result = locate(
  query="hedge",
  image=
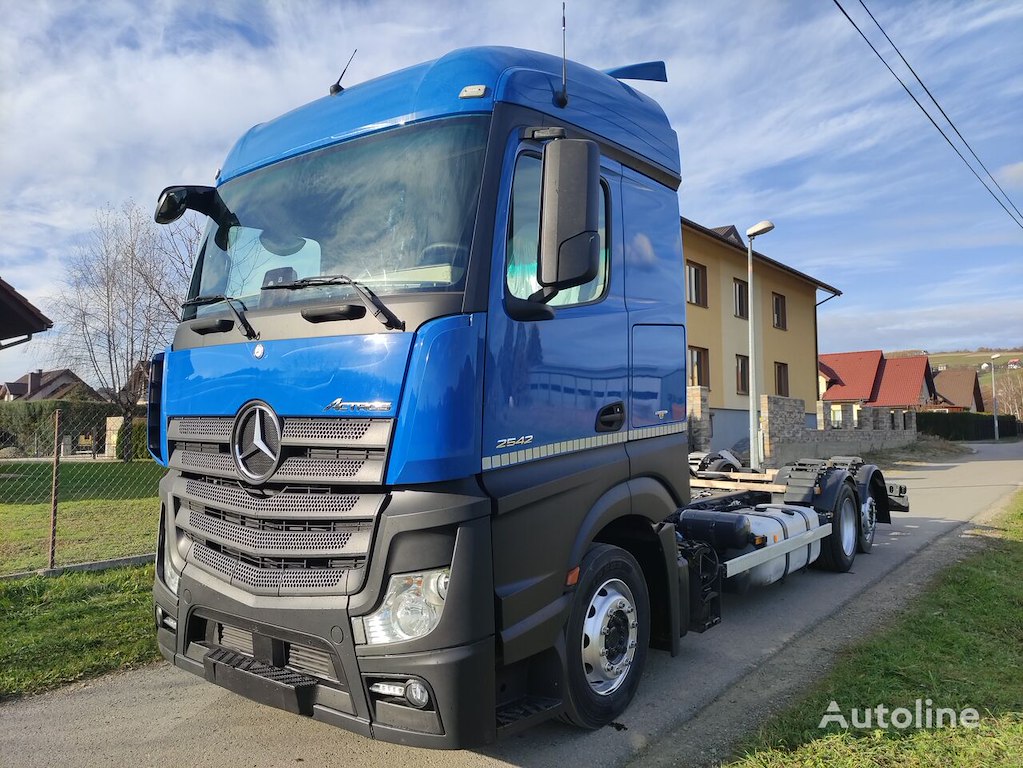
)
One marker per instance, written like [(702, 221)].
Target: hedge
[(28, 425), (965, 425)]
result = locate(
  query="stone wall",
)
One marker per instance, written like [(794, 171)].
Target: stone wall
[(786, 437), (699, 419)]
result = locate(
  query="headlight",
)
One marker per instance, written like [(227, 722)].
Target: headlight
[(412, 607), (164, 566), (170, 575)]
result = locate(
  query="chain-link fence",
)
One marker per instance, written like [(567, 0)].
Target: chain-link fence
[(76, 486)]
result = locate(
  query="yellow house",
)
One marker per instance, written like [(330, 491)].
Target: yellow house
[(717, 322)]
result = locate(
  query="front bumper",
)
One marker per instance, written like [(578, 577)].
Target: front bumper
[(299, 652), (461, 712)]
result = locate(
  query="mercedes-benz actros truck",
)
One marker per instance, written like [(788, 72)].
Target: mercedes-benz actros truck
[(424, 416)]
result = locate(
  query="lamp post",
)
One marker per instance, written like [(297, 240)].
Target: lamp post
[(994, 396), (754, 446)]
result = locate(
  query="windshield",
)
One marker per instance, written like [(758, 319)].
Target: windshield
[(394, 211)]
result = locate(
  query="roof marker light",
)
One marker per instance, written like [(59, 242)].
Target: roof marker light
[(473, 92)]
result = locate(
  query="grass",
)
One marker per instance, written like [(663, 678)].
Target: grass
[(30, 482), (972, 359), (961, 646), (61, 629), (926, 448), (106, 510)]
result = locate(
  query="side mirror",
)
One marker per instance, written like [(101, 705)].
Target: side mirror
[(175, 200), (569, 215), (171, 205)]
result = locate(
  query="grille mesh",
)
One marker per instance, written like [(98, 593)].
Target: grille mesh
[(342, 430), (268, 579), (204, 427), (213, 463), (322, 468), (311, 661), (320, 542), (278, 504), (298, 535)]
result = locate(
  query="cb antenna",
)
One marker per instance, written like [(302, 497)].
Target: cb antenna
[(336, 88), (562, 98)]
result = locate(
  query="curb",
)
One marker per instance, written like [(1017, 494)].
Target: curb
[(98, 565)]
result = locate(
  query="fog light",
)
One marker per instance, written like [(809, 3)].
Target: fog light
[(416, 694), (388, 689)]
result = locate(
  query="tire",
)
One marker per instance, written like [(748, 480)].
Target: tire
[(722, 465), (868, 523), (606, 637), (839, 550)]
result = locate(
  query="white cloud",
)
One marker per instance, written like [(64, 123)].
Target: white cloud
[(781, 111), (1011, 175)]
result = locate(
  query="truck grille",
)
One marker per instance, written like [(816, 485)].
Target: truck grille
[(307, 530), (326, 450), (300, 658)]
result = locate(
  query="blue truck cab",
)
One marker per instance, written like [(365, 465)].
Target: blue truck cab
[(424, 415)]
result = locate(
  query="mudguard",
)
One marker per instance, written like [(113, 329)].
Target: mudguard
[(806, 476)]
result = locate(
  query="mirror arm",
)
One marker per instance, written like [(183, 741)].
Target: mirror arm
[(544, 295), (527, 309)]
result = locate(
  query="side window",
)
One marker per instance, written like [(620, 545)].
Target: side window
[(524, 238)]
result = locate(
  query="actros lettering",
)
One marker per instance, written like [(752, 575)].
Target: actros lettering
[(375, 406)]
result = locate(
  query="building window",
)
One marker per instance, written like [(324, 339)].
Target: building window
[(699, 367), (696, 283), (740, 291), (781, 379), (780, 319), (742, 374)]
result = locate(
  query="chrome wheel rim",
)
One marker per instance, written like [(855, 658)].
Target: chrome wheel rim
[(847, 522), (868, 519), (609, 637)]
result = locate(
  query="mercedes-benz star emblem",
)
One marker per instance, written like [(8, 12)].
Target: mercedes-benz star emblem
[(256, 442)]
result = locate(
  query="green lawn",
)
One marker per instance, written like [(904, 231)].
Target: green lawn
[(961, 646), (30, 482), (106, 510), (60, 629)]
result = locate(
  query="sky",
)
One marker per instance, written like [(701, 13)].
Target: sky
[(782, 111)]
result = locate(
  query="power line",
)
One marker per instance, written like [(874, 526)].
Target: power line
[(943, 113), (928, 115)]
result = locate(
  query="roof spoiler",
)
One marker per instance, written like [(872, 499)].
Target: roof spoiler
[(648, 70)]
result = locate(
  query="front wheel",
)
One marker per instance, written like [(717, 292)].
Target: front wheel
[(606, 638), (839, 549)]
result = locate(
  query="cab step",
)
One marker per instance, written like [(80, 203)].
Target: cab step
[(525, 712)]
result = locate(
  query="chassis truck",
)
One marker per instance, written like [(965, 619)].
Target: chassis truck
[(424, 415)]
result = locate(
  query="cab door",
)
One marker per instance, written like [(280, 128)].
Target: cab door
[(555, 416)]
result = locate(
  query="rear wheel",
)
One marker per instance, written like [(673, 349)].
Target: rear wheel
[(838, 550), (606, 638), (868, 523)]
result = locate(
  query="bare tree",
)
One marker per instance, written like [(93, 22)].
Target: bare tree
[(1010, 393), (176, 249), (121, 299)]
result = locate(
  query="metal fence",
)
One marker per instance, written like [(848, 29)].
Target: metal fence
[(75, 488)]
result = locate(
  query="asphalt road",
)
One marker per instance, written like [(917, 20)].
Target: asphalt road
[(161, 716)]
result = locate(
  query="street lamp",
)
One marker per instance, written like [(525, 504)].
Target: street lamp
[(754, 447), (994, 397)]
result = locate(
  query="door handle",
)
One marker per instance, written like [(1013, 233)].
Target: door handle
[(611, 417)]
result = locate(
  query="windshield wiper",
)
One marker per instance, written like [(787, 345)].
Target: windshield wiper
[(215, 298), (370, 299)]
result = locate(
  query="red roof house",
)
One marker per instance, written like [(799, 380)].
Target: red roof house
[(853, 377), (48, 385), (868, 378)]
